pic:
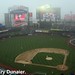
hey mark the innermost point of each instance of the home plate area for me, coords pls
(46, 57)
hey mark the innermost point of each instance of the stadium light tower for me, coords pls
(41, 8)
(43, 11)
(44, 7)
(47, 6)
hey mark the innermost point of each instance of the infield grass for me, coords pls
(12, 47)
(40, 58)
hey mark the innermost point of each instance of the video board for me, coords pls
(19, 16)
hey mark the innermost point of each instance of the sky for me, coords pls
(66, 5)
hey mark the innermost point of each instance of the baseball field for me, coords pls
(10, 48)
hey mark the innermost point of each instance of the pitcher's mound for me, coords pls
(48, 58)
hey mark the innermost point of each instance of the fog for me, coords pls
(66, 6)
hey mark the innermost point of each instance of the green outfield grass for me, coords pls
(12, 47)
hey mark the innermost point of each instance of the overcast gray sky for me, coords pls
(65, 5)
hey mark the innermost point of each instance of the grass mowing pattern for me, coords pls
(11, 47)
(40, 58)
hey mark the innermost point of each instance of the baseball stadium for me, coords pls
(37, 51)
(44, 54)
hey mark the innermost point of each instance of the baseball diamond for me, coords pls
(38, 53)
(37, 37)
(26, 57)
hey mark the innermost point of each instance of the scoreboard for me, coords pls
(19, 15)
(48, 14)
